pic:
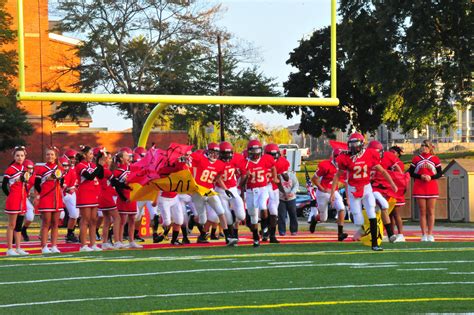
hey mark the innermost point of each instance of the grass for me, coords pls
(273, 279)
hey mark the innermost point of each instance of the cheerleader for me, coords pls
(107, 201)
(425, 168)
(395, 217)
(14, 186)
(88, 190)
(30, 209)
(126, 208)
(70, 197)
(48, 182)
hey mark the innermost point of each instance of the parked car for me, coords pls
(303, 202)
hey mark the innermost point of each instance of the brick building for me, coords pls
(48, 58)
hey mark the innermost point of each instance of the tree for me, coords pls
(402, 63)
(147, 47)
(13, 124)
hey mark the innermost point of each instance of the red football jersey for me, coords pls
(205, 171)
(358, 167)
(387, 162)
(70, 181)
(258, 171)
(282, 165)
(326, 171)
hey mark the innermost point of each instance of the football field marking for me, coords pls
(422, 269)
(461, 273)
(305, 304)
(186, 294)
(352, 265)
(235, 256)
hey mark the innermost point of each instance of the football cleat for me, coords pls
(71, 238)
(342, 237)
(176, 243)
(186, 240)
(377, 248)
(214, 237)
(202, 240)
(158, 238)
(256, 243)
(274, 240)
(232, 241)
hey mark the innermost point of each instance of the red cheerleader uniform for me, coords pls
(124, 206)
(48, 179)
(87, 195)
(16, 198)
(107, 195)
(425, 164)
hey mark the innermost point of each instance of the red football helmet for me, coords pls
(377, 146)
(273, 150)
(29, 164)
(136, 157)
(97, 150)
(212, 151)
(70, 153)
(355, 143)
(64, 161)
(226, 151)
(140, 150)
(336, 152)
(254, 149)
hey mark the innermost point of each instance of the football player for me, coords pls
(357, 164)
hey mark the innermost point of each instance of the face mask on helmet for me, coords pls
(255, 153)
(226, 155)
(213, 155)
(355, 146)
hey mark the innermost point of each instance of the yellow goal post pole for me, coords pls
(333, 49)
(150, 121)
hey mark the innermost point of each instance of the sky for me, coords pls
(274, 27)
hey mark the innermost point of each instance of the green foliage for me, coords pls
(399, 62)
(13, 124)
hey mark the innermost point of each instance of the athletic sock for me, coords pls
(388, 227)
(373, 231)
(226, 233)
(273, 219)
(255, 235)
(236, 233)
(201, 229)
(184, 230)
(166, 231)
(70, 232)
(156, 221)
(264, 224)
(174, 238)
(231, 230)
(340, 229)
(213, 232)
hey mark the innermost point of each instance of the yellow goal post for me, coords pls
(164, 100)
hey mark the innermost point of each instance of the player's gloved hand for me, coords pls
(229, 193)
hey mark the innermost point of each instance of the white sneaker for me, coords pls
(400, 238)
(232, 241)
(96, 248)
(424, 238)
(393, 238)
(106, 246)
(45, 250)
(118, 245)
(385, 239)
(431, 238)
(21, 252)
(12, 252)
(55, 250)
(86, 248)
(134, 245)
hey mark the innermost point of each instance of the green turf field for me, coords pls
(277, 279)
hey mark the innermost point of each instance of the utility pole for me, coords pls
(221, 87)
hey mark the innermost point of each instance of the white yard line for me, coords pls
(290, 262)
(374, 266)
(148, 274)
(164, 295)
(259, 261)
(461, 273)
(422, 269)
